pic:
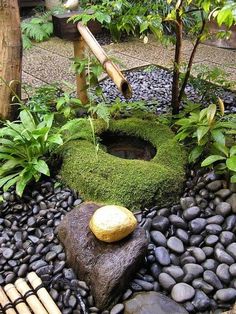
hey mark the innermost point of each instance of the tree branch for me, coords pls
(190, 63)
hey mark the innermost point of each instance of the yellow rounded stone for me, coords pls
(112, 223)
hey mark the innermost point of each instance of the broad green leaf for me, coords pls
(27, 120)
(232, 151)
(218, 136)
(231, 163)
(10, 183)
(233, 179)
(201, 132)
(222, 148)
(211, 111)
(211, 159)
(42, 167)
(7, 178)
(195, 153)
(56, 139)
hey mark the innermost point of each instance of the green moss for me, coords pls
(131, 183)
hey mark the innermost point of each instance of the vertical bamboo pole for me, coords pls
(13, 294)
(10, 54)
(4, 301)
(33, 302)
(42, 293)
(79, 52)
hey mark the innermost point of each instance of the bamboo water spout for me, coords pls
(111, 69)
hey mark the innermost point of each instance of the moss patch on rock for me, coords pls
(135, 184)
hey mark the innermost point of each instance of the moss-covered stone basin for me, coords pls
(135, 184)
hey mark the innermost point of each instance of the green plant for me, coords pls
(122, 16)
(38, 29)
(51, 98)
(207, 132)
(25, 146)
(224, 161)
(209, 79)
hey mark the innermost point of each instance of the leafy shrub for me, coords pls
(25, 146)
(208, 133)
(37, 29)
(122, 16)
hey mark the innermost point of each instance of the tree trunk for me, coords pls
(10, 56)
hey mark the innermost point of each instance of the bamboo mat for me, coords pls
(27, 296)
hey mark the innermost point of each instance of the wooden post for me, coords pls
(10, 55)
(79, 52)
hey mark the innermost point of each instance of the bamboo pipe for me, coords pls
(79, 52)
(111, 69)
(43, 295)
(33, 302)
(13, 294)
(4, 301)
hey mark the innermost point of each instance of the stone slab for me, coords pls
(107, 268)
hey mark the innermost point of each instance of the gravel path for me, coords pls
(153, 85)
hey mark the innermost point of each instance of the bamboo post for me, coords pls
(5, 301)
(42, 293)
(79, 52)
(10, 55)
(111, 69)
(13, 294)
(32, 300)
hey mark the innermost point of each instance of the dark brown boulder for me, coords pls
(107, 268)
(152, 303)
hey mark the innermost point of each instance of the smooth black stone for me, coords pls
(147, 286)
(212, 279)
(213, 229)
(214, 185)
(197, 225)
(191, 213)
(223, 257)
(162, 256)
(195, 239)
(182, 292)
(210, 264)
(223, 193)
(7, 253)
(182, 235)
(158, 238)
(225, 295)
(166, 281)
(223, 209)
(222, 272)
(201, 302)
(194, 269)
(211, 239)
(227, 237)
(174, 259)
(176, 245)
(10, 278)
(177, 221)
(69, 273)
(199, 283)
(208, 250)
(219, 246)
(164, 212)
(230, 223)
(232, 270)
(231, 249)
(174, 271)
(188, 260)
(51, 255)
(198, 253)
(187, 202)
(160, 223)
(22, 270)
(217, 219)
(38, 264)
